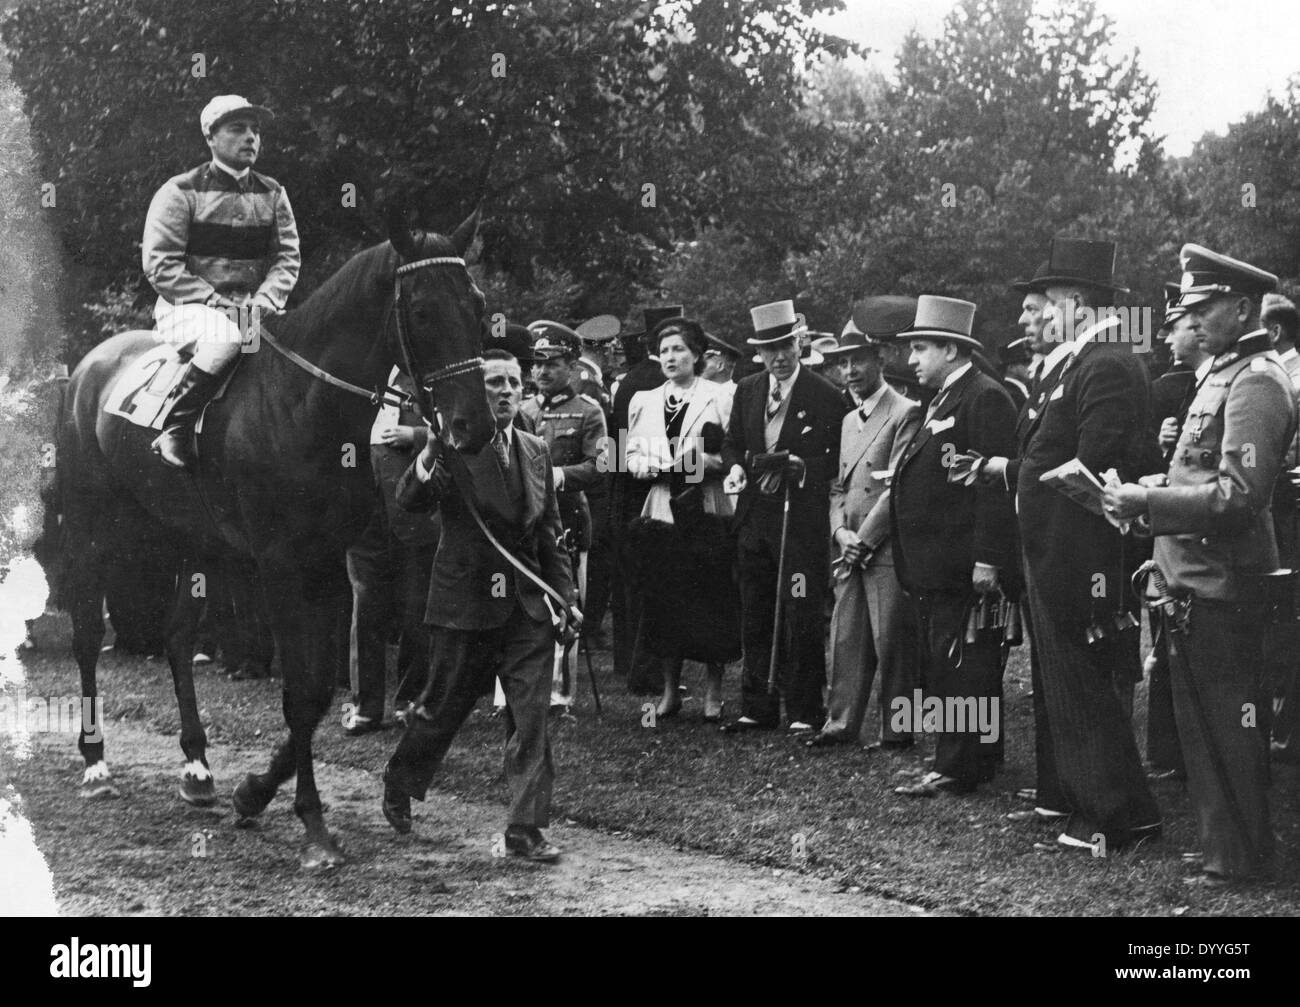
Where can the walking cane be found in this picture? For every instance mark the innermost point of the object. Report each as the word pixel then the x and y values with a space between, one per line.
pixel 582 637
pixel 780 587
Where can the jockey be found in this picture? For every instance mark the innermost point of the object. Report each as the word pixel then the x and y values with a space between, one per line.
pixel 219 240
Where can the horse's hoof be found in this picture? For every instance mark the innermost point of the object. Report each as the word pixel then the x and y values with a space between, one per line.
pixel 248 802
pixel 97 783
pixel 197 786
pixel 322 856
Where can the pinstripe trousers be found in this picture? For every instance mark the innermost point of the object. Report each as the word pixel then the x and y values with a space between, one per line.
pixel 1097 761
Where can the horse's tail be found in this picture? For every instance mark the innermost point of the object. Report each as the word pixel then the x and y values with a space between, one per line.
pixel 49 547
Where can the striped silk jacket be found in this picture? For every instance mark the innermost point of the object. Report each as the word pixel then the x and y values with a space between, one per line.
pixel 209 233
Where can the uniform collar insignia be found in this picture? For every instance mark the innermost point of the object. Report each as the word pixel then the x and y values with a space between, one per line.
pixel 558 398
pixel 1247 345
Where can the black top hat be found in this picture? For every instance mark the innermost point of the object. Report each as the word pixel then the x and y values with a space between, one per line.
pixel 1080 261
pixel 1034 285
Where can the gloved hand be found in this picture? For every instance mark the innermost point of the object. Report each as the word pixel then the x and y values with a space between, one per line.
pixel 795 469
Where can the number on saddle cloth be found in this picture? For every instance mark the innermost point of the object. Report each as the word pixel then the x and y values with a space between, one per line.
pixel 141 392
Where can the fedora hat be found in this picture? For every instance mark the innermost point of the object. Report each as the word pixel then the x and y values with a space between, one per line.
pixel 775 322
pixel 944 319
pixel 1080 262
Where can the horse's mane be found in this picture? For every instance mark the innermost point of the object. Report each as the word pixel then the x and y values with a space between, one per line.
pixel 357 280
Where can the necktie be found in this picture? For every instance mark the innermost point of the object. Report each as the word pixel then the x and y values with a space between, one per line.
pixel 775 404
pixel 502 450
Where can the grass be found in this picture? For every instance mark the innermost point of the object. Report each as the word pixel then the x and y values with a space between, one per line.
pixel 751 798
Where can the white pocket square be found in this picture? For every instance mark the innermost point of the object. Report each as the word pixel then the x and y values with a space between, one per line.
pixel 939 426
pixel 1057 392
pixel 805 430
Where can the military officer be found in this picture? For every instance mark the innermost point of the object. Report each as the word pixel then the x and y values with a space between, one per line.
pixel 595 371
pixel 1214 542
pixel 573 426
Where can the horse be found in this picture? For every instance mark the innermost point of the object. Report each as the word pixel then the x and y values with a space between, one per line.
pixel 282 478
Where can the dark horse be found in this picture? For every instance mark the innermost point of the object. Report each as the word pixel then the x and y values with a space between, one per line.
pixel 282 478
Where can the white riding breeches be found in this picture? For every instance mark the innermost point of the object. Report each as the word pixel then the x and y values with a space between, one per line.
pixel 211 337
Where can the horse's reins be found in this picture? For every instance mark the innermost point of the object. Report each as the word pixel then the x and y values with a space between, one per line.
pixel 424 402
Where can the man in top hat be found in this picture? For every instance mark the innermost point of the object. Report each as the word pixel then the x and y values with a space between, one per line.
pixel 782 442
pixel 1092 405
pixel 573 426
pixel 627 497
pixel 1033 319
pixel 1214 550
pixel 953 540
pixel 220 237
pixel 873 626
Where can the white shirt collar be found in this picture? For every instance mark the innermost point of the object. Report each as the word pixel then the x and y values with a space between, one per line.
pixel 1063 350
pixel 1290 354
pixel 785 385
pixel 237 175
pixel 868 405
pixel 509 431
pixel 951 379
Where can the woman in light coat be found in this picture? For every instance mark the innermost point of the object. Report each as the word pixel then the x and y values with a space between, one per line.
pixel 689 598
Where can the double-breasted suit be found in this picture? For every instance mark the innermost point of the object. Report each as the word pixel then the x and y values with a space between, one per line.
pixel 873 625
pixel 1214 541
pixel 488 620
pixel 1078 566
pixel 941 530
pixel 810 430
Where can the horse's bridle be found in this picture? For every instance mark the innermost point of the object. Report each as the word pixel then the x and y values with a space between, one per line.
pixel 424 383
pixel 380 396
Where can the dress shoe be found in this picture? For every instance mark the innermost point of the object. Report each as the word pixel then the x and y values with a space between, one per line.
pixel 528 842
pixel 1044 815
pixel 1208 879
pixel 741 725
pixel 933 784
pixel 824 739
pixel 668 713
pixel 892 745
pixel 800 727
pixel 397 809
pixel 714 716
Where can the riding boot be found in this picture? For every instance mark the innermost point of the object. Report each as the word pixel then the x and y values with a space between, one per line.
pixel 189 396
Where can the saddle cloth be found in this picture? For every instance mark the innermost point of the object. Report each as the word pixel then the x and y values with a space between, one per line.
pixel 140 393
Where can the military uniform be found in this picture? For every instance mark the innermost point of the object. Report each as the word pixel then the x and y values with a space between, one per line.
pixel 573 426
pixel 1214 538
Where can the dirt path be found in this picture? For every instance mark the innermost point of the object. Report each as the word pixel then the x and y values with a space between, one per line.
pixel 147 853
